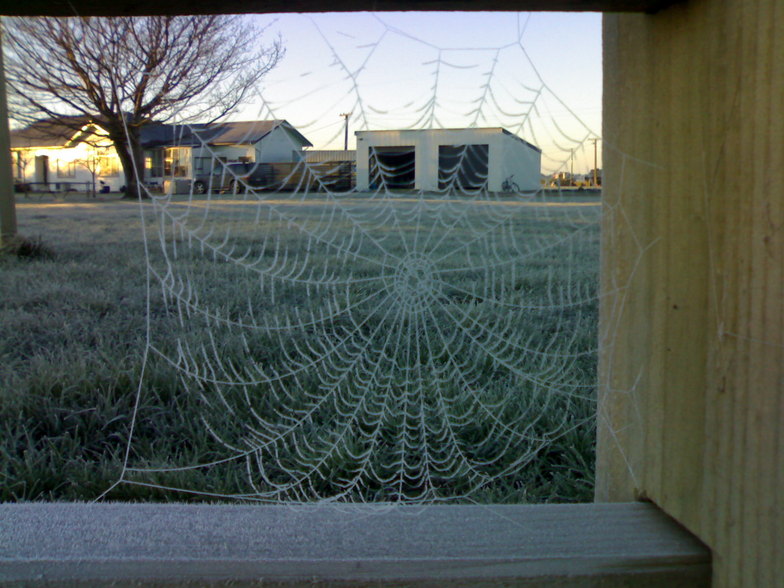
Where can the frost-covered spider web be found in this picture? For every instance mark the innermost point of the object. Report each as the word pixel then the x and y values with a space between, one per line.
pixel 389 343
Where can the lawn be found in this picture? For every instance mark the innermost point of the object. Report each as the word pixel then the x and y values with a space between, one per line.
pixel 365 348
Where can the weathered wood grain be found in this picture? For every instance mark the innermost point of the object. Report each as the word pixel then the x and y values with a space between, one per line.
pixel 150 7
pixel 554 545
pixel 692 367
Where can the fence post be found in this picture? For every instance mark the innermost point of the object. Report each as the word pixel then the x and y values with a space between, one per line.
pixel 7 204
pixel 692 379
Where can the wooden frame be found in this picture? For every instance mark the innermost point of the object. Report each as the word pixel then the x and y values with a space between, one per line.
pixel 150 7
pixel 691 373
pixel 692 358
pixel 154 544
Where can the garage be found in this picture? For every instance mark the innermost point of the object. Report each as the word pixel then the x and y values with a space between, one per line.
pixel 447 161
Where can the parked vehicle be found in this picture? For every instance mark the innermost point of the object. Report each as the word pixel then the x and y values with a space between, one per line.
pixel 278 177
pixel 234 177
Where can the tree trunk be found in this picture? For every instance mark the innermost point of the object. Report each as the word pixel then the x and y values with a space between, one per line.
pixel 131 155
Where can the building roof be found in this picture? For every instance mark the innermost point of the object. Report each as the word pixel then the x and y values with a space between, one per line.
pixel 65 132
pixel 163 135
pixel 62 132
pixel 531 145
pixel 247 132
pixel 227 133
pixel 478 129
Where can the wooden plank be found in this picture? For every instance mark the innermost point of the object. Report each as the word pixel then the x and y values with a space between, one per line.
pixel 154 7
pixel 7 203
pixel 566 545
pixel 705 82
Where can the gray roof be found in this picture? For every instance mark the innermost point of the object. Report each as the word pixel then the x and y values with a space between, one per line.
pixel 246 132
pixel 61 133
pixel 49 133
pixel 163 135
pixel 485 129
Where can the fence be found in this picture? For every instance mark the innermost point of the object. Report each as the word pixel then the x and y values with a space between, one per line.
pixel 54 187
pixel 336 176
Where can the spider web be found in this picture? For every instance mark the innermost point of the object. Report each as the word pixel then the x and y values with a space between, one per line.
pixel 383 345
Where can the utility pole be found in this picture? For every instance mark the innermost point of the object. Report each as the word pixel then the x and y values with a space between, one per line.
pixel 595 164
pixel 345 138
pixel 571 168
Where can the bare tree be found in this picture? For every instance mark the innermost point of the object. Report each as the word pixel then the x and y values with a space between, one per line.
pixel 124 73
pixel 92 165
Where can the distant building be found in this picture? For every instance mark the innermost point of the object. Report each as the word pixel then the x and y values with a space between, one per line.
pixel 50 155
pixel 175 154
pixel 459 160
pixel 335 168
pixel 329 155
pixel 54 156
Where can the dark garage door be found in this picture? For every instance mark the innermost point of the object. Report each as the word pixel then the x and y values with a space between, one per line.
pixel 462 167
pixel 392 167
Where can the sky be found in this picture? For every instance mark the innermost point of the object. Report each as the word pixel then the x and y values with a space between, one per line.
pixel 538 75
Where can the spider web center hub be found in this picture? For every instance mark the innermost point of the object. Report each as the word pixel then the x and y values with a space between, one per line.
pixel 414 283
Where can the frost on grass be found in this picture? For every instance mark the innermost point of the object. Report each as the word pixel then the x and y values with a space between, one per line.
pixel 395 346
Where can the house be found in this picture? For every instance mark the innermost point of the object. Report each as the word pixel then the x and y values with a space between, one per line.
pixel 71 154
pixel 447 160
pixel 50 155
pixel 175 154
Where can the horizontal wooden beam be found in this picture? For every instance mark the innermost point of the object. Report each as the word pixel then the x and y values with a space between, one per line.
pixel 156 7
pixel 145 544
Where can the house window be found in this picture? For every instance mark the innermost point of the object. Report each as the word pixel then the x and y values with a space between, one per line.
pixel 108 166
pixel 66 169
pixel 176 162
pixel 154 164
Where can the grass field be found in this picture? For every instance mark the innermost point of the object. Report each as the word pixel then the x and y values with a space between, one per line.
pixel 73 334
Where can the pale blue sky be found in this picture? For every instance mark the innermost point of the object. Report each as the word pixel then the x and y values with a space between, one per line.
pixel 536 74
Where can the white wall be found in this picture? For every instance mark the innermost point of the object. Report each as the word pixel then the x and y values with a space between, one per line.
pixel 508 156
pixel 65 157
pixel 518 161
pixel 277 147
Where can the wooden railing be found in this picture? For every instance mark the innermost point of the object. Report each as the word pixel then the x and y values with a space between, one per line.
pixel 563 545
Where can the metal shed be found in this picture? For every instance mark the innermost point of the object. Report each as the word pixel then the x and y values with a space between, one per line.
pixel 440 160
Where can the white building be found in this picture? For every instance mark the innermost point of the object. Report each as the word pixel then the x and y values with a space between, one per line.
pixel 462 160
pixel 55 156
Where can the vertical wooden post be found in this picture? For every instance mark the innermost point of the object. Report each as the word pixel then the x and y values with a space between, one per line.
pixel 692 363
pixel 7 204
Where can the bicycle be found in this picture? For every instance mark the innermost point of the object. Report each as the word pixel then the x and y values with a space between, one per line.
pixel 508 185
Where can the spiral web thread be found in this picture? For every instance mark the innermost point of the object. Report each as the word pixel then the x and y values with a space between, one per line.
pixel 398 346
